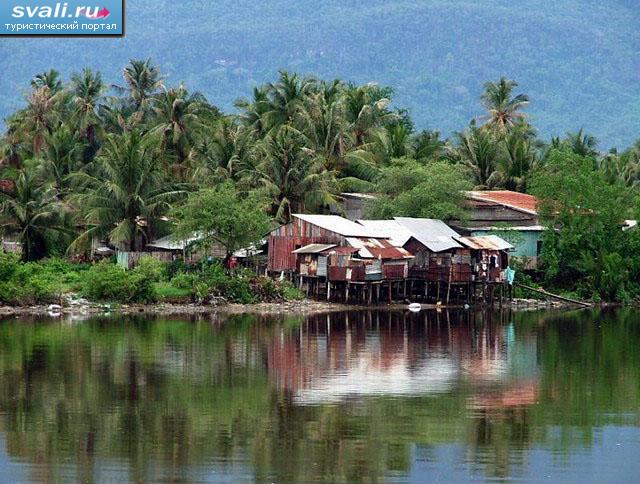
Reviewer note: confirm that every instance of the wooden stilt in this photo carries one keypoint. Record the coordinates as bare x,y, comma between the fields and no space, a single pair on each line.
328,290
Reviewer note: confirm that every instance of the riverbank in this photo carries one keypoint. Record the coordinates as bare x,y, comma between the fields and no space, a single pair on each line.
81,307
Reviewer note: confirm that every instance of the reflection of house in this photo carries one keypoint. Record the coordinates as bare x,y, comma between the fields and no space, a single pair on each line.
342,355
514,215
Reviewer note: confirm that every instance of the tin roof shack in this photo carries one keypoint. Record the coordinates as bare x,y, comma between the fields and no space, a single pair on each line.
381,258
310,229
489,257
311,259
495,211
438,256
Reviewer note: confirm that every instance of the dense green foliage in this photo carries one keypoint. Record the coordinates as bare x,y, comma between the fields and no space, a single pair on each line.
573,57
80,167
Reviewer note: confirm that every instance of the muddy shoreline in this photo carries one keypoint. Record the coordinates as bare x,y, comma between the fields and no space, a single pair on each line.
293,307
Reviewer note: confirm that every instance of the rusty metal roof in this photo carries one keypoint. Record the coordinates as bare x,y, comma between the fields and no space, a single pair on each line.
313,248
432,233
370,248
485,242
518,201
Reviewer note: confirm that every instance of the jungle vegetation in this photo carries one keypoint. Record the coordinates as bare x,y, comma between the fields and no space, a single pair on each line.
130,162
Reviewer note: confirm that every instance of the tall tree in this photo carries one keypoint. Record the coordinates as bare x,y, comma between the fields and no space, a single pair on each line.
31,210
292,176
503,109
126,194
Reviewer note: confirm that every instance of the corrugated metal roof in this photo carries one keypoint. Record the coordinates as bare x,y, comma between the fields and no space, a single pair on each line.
397,234
340,225
365,196
371,248
485,242
171,242
432,233
514,228
313,248
519,201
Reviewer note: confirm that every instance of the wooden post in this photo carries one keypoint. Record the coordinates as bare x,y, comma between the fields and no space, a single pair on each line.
390,295
328,290
346,292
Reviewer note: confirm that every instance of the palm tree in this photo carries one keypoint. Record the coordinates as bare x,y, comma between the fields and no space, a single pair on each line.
520,157
87,89
366,110
286,98
292,176
253,111
582,143
50,79
224,153
427,145
40,116
60,157
478,149
31,210
177,114
503,110
127,193
323,123
143,81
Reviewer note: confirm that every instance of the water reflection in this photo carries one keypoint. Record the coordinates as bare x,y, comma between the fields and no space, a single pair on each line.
344,396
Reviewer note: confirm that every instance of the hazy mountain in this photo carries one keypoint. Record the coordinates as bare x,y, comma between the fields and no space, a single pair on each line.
577,59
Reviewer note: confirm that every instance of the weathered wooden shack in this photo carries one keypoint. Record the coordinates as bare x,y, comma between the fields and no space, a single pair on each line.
489,257
310,229
439,257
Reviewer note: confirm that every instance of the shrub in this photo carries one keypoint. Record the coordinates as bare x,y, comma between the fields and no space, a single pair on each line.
110,282
152,269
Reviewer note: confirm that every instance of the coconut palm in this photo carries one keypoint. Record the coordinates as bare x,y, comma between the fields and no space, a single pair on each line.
427,145
253,111
61,156
142,82
40,116
127,193
478,150
292,176
323,123
87,89
519,158
50,79
31,210
582,143
366,110
177,114
503,109
286,98
223,154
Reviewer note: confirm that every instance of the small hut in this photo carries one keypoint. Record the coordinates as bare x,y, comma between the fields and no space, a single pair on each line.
489,257
304,230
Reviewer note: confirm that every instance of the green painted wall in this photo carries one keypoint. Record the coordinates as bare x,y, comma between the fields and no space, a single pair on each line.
525,241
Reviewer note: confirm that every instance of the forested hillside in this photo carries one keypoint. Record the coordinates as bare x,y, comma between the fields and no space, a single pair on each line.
577,59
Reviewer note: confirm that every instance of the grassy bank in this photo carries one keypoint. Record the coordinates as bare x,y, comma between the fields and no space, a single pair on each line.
46,282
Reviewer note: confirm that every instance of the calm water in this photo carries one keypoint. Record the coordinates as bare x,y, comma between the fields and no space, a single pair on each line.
370,396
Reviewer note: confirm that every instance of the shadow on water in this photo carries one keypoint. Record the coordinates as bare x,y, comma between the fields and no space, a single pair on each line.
340,396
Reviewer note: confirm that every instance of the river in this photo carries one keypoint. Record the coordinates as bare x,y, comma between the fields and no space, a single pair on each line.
371,395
